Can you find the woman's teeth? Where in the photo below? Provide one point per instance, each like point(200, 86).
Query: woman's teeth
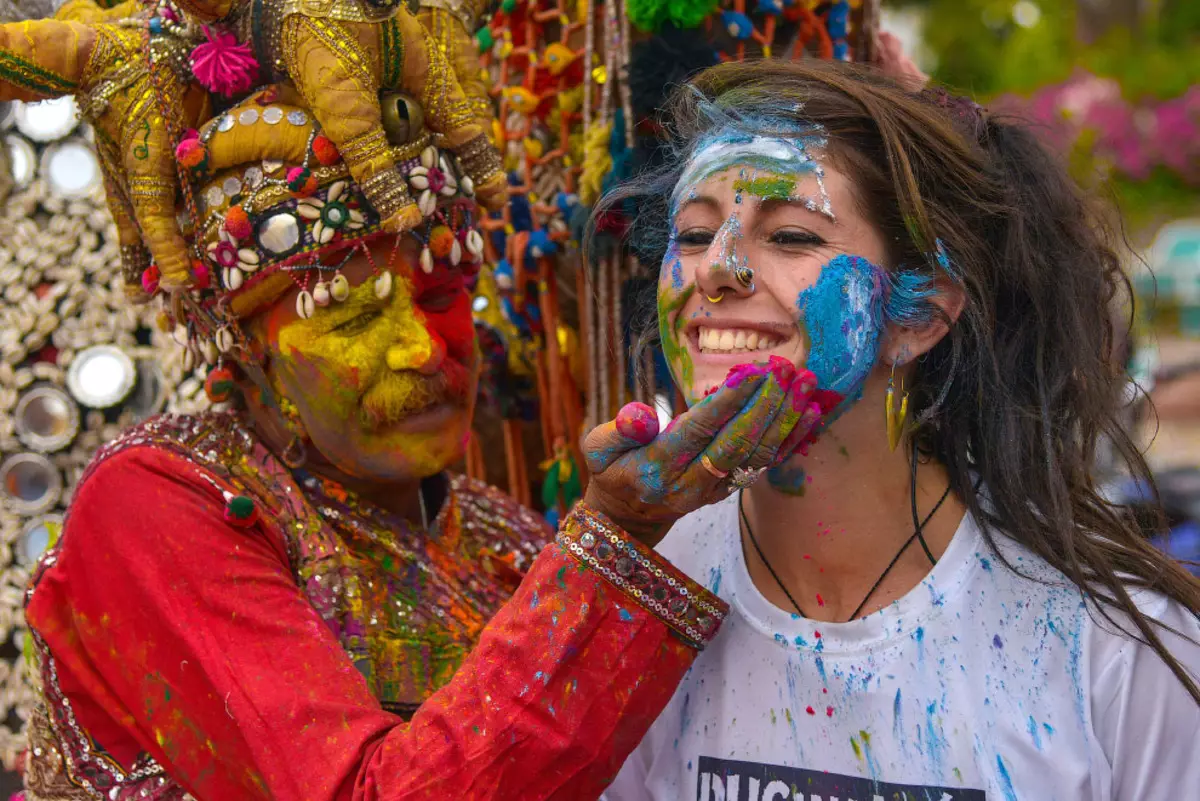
point(734, 340)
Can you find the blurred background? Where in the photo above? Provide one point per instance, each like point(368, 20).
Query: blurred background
point(1113, 85)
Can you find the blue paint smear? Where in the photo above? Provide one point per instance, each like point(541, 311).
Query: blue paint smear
point(1005, 781)
point(843, 316)
point(821, 670)
point(987, 564)
point(1033, 733)
point(919, 636)
point(997, 642)
point(908, 298)
point(624, 615)
point(714, 580)
point(1049, 729)
point(935, 740)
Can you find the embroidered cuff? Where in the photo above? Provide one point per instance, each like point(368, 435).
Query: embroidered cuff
point(687, 608)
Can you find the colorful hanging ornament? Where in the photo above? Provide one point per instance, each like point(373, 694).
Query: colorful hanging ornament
point(561, 487)
point(240, 510)
point(219, 384)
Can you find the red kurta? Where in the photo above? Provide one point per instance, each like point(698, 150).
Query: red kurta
point(180, 654)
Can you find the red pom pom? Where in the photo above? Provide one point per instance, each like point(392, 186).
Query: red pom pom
point(191, 153)
point(300, 182)
point(441, 241)
point(237, 223)
point(150, 279)
point(325, 151)
point(201, 277)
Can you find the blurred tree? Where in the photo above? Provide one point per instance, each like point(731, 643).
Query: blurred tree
point(1152, 47)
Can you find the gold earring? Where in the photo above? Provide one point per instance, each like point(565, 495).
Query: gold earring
point(895, 419)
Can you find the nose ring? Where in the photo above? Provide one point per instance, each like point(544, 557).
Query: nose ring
point(744, 276)
point(720, 297)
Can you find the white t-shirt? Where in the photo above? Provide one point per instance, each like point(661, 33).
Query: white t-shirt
point(978, 684)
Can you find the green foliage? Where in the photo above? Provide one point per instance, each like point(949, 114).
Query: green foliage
point(981, 49)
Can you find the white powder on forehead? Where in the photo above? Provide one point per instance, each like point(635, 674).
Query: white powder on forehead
point(768, 153)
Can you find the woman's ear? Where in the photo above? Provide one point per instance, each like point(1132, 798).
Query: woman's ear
point(906, 343)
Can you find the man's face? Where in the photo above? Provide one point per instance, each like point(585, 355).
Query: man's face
point(385, 387)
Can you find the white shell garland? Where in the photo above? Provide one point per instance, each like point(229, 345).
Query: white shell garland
point(224, 339)
point(475, 244)
point(305, 305)
point(320, 294)
point(383, 285)
point(339, 288)
point(455, 253)
point(426, 260)
point(209, 349)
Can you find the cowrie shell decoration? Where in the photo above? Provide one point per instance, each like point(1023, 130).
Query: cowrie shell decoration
point(305, 305)
point(383, 285)
point(339, 287)
point(320, 294)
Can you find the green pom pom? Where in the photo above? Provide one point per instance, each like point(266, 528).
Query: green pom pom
point(508, 5)
point(646, 15)
point(689, 13)
point(485, 39)
point(241, 507)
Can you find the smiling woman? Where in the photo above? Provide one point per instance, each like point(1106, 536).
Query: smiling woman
point(929, 598)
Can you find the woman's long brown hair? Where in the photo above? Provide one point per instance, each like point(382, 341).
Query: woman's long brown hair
point(1024, 386)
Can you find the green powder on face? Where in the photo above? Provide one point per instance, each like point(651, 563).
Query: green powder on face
point(766, 188)
point(671, 333)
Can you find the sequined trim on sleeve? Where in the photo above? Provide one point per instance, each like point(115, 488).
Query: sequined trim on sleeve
point(688, 609)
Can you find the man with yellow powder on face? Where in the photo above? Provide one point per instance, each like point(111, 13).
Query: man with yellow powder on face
point(292, 600)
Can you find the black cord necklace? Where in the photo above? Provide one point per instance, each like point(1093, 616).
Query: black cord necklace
point(918, 534)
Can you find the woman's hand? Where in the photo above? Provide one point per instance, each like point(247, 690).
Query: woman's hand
point(644, 481)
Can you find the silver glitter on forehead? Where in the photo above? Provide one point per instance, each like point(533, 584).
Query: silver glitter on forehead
point(782, 155)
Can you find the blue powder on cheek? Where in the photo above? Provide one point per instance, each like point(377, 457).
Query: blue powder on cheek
point(844, 317)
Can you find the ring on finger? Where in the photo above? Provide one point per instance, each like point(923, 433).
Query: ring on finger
point(741, 478)
point(713, 470)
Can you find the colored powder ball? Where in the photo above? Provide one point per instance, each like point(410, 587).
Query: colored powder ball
point(237, 223)
point(638, 422)
point(325, 151)
point(441, 241)
point(810, 710)
point(828, 711)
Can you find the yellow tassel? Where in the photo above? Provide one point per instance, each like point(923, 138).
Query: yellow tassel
point(895, 420)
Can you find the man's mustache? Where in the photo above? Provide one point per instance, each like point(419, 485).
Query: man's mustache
point(398, 395)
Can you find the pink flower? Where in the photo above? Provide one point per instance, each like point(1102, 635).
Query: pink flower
point(222, 64)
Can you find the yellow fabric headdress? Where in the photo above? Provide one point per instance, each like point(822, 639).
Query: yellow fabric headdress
point(144, 73)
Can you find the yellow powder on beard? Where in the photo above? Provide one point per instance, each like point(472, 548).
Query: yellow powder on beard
point(396, 397)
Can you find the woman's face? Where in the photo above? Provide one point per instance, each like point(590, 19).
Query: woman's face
point(776, 211)
point(385, 387)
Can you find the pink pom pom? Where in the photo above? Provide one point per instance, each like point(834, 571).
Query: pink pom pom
point(223, 65)
point(191, 153)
